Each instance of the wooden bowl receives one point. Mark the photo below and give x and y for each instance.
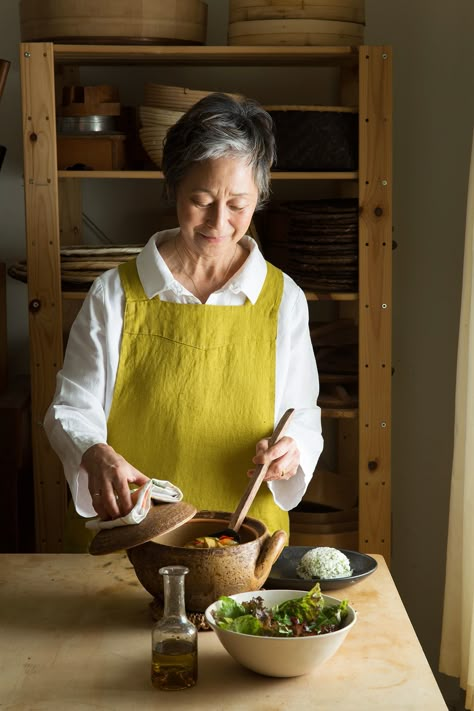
(212, 572)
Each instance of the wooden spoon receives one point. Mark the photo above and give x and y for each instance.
(253, 486)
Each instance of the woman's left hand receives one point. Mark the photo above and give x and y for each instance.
(283, 458)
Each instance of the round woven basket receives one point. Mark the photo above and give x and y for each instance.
(151, 115)
(174, 98)
(157, 21)
(81, 265)
(152, 141)
(340, 10)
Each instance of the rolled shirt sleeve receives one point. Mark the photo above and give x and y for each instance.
(297, 385)
(77, 417)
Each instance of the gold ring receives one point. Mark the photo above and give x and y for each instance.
(282, 474)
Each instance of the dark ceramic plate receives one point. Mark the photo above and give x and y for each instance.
(283, 573)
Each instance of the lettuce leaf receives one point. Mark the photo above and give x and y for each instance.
(230, 608)
(303, 616)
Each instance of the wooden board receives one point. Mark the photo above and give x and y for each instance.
(375, 297)
(108, 20)
(99, 100)
(295, 33)
(97, 152)
(75, 636)
(44, 281)
(342, 10)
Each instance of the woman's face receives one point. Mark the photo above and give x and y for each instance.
(215, 203)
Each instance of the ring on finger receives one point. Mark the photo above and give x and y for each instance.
(282, 474)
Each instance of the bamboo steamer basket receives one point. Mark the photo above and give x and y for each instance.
(295, 33)
(107, 21)
(340, 10)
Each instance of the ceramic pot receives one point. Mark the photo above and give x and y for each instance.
(213, 571)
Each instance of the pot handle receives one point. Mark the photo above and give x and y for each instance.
(271, 549)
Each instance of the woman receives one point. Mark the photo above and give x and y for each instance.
(181, 362)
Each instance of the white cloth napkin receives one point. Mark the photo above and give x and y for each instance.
(154, 489)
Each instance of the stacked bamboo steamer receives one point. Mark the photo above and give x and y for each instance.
(296, 22)
(158, 21)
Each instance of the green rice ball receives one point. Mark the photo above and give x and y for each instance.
(323, 562)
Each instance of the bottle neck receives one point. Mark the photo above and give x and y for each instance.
(174, 600)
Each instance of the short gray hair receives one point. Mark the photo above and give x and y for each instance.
(221, 126)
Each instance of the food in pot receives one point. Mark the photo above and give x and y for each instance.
(325, 563)
(211, 542)
(298, 617)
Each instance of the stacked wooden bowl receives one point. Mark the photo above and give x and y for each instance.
(296, 22)
(91, 21)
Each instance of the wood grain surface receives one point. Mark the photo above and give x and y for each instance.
(75, 634)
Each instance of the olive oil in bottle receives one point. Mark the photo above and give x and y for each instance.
(174, 665)
(174, 637)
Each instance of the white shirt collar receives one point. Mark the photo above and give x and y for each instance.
(157, 278)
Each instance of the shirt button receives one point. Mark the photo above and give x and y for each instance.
(234, 287)
(179, 289)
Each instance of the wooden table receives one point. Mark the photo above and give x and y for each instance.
(75, 636)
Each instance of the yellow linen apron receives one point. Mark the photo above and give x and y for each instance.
(195, 391)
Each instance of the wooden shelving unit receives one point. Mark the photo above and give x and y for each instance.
(53, 200)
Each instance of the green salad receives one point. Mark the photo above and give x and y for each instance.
(300, 617)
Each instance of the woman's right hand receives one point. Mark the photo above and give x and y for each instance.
(109, 476)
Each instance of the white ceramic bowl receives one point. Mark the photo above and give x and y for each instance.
(280, 656)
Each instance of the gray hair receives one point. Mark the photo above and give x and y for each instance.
(220, 126)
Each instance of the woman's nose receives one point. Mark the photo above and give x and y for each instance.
(216, 217)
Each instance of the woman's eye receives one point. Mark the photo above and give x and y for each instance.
(201, 204)
(237, 208)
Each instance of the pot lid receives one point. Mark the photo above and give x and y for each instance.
(160, 519)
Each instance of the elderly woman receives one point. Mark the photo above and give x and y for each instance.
(181, 362)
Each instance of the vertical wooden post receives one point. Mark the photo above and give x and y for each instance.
(375, 297)
(44, 280)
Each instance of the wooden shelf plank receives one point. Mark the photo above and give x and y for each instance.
(158, 175)
(334, 296)
(339, 413)
(204, 55)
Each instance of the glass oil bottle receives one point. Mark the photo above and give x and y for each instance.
(174, 637)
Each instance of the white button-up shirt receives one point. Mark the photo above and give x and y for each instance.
(77, 417)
